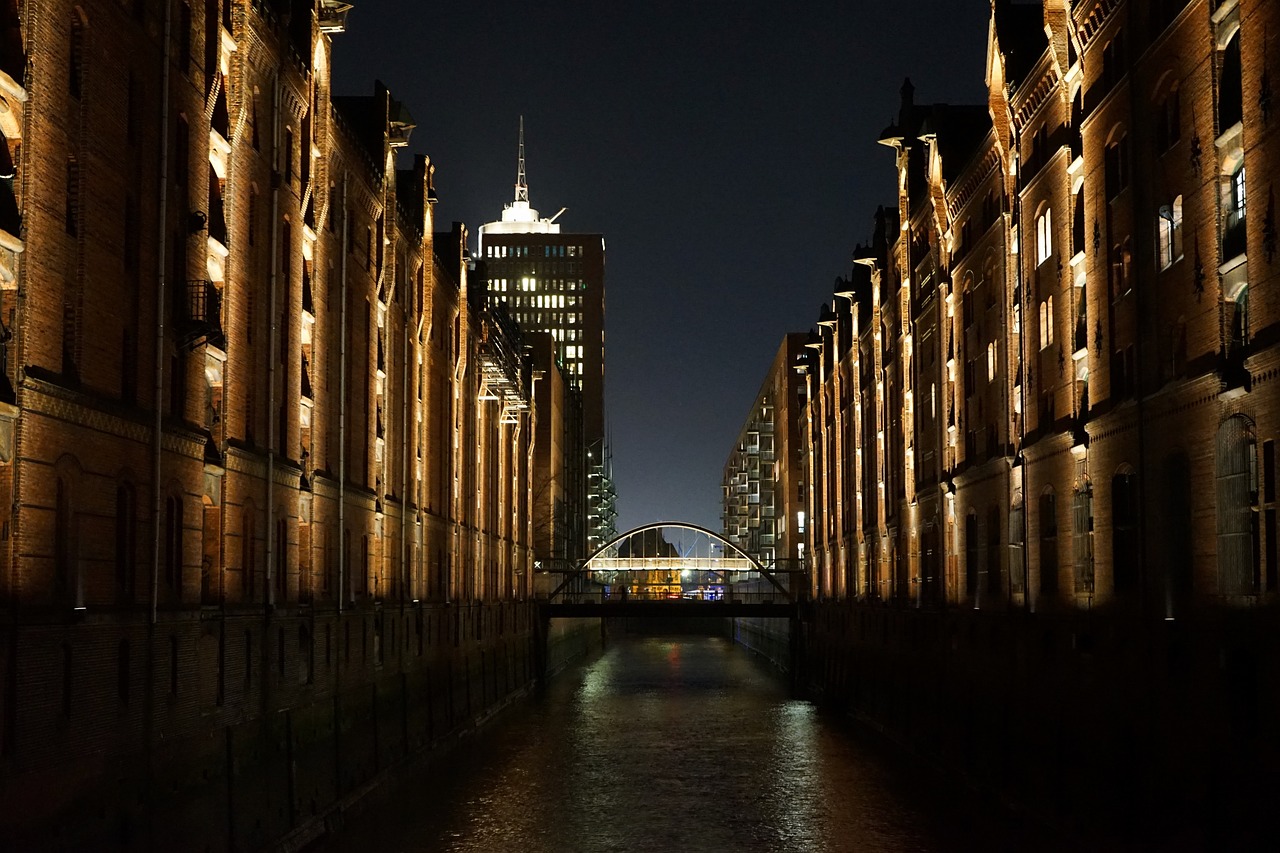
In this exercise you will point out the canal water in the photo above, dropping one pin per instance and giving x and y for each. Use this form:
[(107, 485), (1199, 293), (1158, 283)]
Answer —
[(677, 744)]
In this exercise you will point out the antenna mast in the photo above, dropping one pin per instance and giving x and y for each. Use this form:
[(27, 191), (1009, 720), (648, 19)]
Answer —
[(522, 187)]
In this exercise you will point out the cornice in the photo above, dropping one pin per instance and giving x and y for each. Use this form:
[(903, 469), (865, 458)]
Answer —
[(962, 191), (1027, 106), (1090, 19)]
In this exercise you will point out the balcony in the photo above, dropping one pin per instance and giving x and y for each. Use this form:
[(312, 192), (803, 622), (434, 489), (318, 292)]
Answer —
[(332, 16), (201, 321)]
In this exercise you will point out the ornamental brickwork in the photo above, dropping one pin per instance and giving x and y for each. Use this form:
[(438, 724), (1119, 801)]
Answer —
[(266, 455)]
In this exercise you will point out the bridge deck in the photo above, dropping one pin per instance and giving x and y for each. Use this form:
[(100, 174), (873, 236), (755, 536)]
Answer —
[(675, 608)]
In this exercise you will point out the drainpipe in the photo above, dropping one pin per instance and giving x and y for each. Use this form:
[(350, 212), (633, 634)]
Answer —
[(163, 243), (271, 340), (342, 407), (404, 454), (1022, 386)]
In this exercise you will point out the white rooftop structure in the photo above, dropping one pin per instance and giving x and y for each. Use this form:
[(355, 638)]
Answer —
[(518, 217)]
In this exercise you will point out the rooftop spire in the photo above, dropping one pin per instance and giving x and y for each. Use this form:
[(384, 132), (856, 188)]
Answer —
[(522, 186)]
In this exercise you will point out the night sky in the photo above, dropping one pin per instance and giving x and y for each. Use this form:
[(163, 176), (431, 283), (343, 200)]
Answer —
[(726, 151)]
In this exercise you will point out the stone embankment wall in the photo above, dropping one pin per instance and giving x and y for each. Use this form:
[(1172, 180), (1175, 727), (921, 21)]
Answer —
[(769, 638), (380, 693), (1161, 729)]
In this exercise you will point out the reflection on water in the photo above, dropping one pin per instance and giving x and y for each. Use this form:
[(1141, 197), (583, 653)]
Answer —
[(680, 744)]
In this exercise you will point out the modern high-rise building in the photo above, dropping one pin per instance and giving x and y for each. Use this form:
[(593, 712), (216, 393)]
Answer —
[(763, 509), (553, 281)]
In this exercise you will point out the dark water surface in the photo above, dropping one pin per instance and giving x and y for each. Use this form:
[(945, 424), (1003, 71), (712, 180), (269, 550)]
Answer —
[(675, 744)]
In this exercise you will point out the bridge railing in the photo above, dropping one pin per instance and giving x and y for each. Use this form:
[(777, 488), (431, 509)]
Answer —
[(609, 596), (620, 586)]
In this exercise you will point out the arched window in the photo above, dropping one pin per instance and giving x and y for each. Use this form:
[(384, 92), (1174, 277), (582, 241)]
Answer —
[(1121, 267), (1125, 551), (1048, 545), (1168, 120), (1236, 322), (1017, 546), (1044, 235), (1116, 166), (1236, 468), (1169, 232), (1046, 323), (966, 301)]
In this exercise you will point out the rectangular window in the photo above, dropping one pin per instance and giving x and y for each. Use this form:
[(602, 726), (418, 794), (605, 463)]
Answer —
[(1116, 163), (1238, 194), (1169, 229)]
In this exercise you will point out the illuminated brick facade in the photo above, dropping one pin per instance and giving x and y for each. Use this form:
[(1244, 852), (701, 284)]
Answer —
[(269, 487), (1045, 406), (1080, 308)]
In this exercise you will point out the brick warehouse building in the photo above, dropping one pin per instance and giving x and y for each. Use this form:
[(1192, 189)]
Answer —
[(1041, 421), (266, 452)]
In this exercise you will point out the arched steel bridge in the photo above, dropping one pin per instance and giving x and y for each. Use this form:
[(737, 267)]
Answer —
[(673, 568)]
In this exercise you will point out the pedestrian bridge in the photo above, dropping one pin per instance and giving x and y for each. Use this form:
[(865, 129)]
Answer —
[(671, 569)]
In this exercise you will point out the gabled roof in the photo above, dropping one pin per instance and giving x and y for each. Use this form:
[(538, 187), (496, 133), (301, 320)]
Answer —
[(959, 131), (1021, 36)]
